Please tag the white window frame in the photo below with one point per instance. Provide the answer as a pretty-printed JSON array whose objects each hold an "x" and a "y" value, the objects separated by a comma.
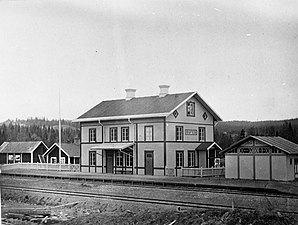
[
  {"x": 202, "y": 134},
  {"x": 92, "y": 135},
  {"x": 179, "y": 158},
  {"x": 190, "y": 109},
  {"x": 148, "y": 133},
  {"x": 129, "y": 159},
  {"x": 62, "y": 160},
  {"x": 179, "y": 133},
  {"x": 53, "y": 160},
  {"x": 119, "y": 159},
  {"x": 92, "y": 158},
  {"x": 124, "y": 134},
  {"x": 113, "y": 134},
  {"x": 191, "y": 158}
]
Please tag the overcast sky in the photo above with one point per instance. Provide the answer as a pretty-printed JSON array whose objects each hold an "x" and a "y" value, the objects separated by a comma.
[{"x": 240, "y": 56}]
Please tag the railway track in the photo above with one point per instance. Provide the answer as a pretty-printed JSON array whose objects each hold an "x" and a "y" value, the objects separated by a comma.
[
  {"x": 228, "y": 190},
  {"x": 120, "y": 198},
  {"x": 132, "y": 199}
]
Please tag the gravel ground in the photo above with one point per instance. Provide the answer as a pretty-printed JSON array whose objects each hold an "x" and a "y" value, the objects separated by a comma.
[{"x": 100, "y": 211}]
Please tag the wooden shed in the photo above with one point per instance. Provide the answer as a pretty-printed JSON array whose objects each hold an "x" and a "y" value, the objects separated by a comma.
[
  {"x": 70, "y": 154},
  {"x": 22, "y": 152},
  {"x": 262, "y": 158}
]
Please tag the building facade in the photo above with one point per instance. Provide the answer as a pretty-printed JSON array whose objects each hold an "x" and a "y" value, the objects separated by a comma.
[
  {"x": 262, "y": 158},
  {"x": 148, "y": 135}
]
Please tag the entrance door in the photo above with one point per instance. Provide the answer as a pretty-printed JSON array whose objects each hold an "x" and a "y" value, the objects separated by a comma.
[
  {"x": 149, "y": 162},
  {"x": 110, "y": 161}
]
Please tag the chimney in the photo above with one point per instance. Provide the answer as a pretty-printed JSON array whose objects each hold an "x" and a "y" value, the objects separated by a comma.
[
  {"x": 164, "y": 90},
  {"x": 76, "y": 140},
  {"x": 130, "y": 93}
]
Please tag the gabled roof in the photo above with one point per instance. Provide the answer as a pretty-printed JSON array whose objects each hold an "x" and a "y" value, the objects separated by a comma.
[
  {"x": 70, "y": 149},
  {"x": 141, "y": 107},
  {"x": 20, "y": 147},
  {"x": 277, "y": 142},
  {"x": 207, "y": 145}
]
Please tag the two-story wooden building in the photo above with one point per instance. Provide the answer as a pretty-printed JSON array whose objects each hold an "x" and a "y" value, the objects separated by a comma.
[{"x": 148, "y": 135}]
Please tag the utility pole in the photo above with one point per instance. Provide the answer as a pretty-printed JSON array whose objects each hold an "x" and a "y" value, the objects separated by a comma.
[{"x": 59, "y": 132}]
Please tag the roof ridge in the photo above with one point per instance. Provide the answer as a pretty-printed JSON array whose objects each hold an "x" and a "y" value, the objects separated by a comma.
[{"x": 148, "y": 96}]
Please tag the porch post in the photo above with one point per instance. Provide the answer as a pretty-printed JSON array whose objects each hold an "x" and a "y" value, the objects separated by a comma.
[{"x": 207, "y": 164}]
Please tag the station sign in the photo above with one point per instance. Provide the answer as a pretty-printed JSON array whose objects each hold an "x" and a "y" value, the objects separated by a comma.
[{"x": 191, "y": 132}]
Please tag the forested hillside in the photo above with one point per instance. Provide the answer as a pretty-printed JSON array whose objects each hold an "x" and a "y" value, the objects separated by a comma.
[
  {"x": 38, "y": 129},
  {"x": 229, "y": 132}
]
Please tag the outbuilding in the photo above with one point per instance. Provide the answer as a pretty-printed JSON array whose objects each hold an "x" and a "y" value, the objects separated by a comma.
[
  {"x": 262, "y": 158},
  {"x": 70, "y": 154},
  {"x": 22, "y": 152}
]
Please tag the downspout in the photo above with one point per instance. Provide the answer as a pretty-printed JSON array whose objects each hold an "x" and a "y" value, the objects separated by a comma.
[
  {"x": 133, "y": 141},
  {"x": 133, "y": 130},
  {"x": 101, "y": 130},
  {"x": 102, "y": 137}
]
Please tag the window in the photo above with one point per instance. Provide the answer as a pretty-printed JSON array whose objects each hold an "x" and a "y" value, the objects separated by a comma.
[
  {"x": 92, "y": 158},
  {"x": 119, "y": 158},
  {"x": 234, "y": 150},
  {"x": 190, "y": 109},
  {"x": 129, "y": 159},
  {"x": 179, "y": 133},
  {"x": 62, "y": 160},
  {"x": 113, "y": 134},
  {"x": 53, "y": 160},
  {"x": 263, "y": 150},
  {"x": 191, "y": 158},
  {"x": 245, "y": 150},
  {"x": 92, "y": 135},
  {"x": 179, "y": 159},
  {"x": 10, "y": 158},
  {"x": 17, "y": 158},
  {"x": 124, "y": 134},
  {"x": 148, "y": 133},
  {"x": 276, "y": 151},
  {"x": 202, "y": 134}
]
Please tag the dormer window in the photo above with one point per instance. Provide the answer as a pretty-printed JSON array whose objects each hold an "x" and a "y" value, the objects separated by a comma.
[{"x": 190, "y": 109}]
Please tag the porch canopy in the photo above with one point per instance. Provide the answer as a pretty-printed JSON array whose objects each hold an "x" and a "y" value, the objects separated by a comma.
[
  {"x": 208, "y": 146},
  {"x": 113, "y": 146}
]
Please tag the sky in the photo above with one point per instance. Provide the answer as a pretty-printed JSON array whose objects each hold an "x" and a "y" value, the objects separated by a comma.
[{"x": 241, "y": 56}]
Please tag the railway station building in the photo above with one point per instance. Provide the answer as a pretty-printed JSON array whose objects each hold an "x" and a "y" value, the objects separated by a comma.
[
  {"x": 262, "y": 158},
  {"x": 148, "y": 135}
]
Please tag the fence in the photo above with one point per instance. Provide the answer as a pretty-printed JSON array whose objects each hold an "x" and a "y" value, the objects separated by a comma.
[
  {"x": 203, "y": 172},
  {"x": 41, "y": 166}
]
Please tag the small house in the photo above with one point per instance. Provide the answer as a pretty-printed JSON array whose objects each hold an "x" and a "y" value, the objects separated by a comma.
[
  {"x": 22, "y": 152},
  {"x": 70, "y": 154},
  {"x": 262, "y": 158}
]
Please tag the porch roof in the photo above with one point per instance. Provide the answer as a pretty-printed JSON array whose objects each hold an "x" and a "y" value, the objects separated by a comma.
[
  {"x": 112, "y": 146},
  {"x": 207, "y": 146}
]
